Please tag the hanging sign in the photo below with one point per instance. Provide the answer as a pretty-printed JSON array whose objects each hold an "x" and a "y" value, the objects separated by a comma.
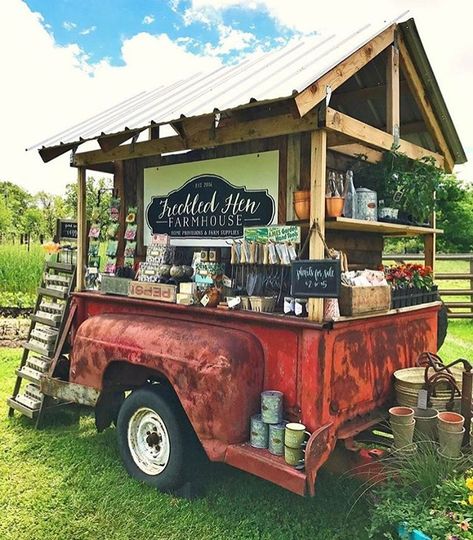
[
  {"x": 274, "y": 233},
  {"x": 315, "y": 278},
  {"x": 209, "y": 206},
  {"x": 66, "y": 229}
]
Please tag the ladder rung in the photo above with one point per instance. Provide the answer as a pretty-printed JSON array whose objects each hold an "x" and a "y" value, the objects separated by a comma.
[
  {"x": 63, "y": 267},
  {"x": 34, "y": 347},
  {"x": 19, "y": 403},
  {"x": 456, "y": 292},
  {"x": 38, "y": 364},
  {"x": 43, "y": 320},
  {"x": 29, "y": 374},
  {"x": 53, "y": 293}
]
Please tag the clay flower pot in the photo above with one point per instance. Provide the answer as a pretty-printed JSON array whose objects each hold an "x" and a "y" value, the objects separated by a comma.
[
  {"x": 426, "y": 424},
  {"x": 334, "y": 206},
  {"x": 451, "y": 421},
  {"x": 403, "y": 433},
  {"x": 451, "y": 442},
  {"x": 401, "y": 415},
  {"x": 301, "y": 203}
]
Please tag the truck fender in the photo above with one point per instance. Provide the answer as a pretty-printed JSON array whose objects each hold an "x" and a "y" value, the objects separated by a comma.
[{"x": 217, "y": 373}]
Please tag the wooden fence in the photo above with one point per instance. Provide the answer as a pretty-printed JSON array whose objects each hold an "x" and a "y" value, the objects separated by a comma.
[{"x": 465, "y": 307}]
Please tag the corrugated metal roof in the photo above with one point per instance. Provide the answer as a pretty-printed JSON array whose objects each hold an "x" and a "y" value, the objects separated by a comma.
[{"x": 271, "y": 76}]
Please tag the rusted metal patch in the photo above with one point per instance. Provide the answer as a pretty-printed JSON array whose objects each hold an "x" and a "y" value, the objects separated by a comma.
[{"x": 66, "y": 391}]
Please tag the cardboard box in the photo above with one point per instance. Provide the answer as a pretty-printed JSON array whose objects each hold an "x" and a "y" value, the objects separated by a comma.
[
  {"x": 153, "y": 291},
  {"x": 360, "y": 300},
  {"x": 185, "y": 299},
  {"x": 114, "y": 285},
  {"x": 188, "y": 288}
]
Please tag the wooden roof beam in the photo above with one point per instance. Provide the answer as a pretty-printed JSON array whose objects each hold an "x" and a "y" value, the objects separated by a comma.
[
  {"x": 245, "y": 131},
  {"x": 422, "y": 100},
  {"x": 52, "y": 152},
  {"x": 393, "y": 101},
  {"x": 356, "y": 149},
  {"x": 315, "y": 93},
  {"x": 363, "y": 133},
  {"x": 108, "y": 142}
]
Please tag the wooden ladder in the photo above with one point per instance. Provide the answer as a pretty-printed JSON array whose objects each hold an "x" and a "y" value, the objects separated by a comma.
[{"x": 51, "y": 322}]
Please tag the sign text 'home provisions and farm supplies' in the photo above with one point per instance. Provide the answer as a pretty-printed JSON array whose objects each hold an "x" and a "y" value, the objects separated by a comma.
[
  {"x": 216, "y": 205},
  {"x": 315, "y": 278}
]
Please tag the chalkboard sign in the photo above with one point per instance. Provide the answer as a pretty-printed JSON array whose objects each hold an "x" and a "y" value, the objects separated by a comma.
[
  {"x": 66, "y": 229},
  {"x": 315, "y": 279}
]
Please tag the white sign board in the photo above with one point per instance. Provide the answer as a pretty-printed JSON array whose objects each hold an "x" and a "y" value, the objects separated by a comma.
[{"x": 206, "y": 203}]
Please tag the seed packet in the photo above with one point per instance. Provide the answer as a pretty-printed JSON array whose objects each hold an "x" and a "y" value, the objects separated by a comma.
[
  {"x": 94, "y": 231},
  {"x": 93, "y": 262},
  {"x": 112, "y": 231},
  {"x": 93, "y": 248},
  {"x": 131, "y": 214},
  {"x": 130, "y": 249},
  {"x": 111, "y": 265},
  {"x": 129, "y": 261},
  {"x": 114, "y": 208},
  {"x": 130, "y": 233},
  {"x": 112, "y": 247}
]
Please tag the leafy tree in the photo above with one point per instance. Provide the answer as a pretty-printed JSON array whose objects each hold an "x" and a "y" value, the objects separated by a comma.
[
  {"x": 5, "y": 217},
  {"x": 33, "y": 222},
  {"x": 99, "y": 195},
  {"x": 52, "y": 208},
  {"x": 17, "y": 200}
]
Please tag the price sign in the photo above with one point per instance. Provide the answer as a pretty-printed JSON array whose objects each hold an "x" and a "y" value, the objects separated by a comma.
[
  {"x": 315, "y": 278},
  {"x": 66, "y": 229}
]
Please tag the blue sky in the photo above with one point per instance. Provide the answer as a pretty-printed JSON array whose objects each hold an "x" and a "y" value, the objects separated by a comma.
[{"x": 100, "y": 27}]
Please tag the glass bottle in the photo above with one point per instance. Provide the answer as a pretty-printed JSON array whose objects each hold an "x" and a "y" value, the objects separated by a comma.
[{"x": 349, "y": 207}]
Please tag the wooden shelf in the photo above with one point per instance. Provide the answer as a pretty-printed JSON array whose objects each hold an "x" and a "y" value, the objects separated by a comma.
[{"x": 378, "y": 227}]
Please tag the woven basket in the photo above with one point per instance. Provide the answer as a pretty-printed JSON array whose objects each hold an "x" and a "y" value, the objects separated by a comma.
[{"x": 263, "y": 303}]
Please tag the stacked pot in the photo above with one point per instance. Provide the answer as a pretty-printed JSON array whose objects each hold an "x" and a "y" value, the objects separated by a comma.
[
  {"x": 451, "y": 433},
  {"x": 409, "y": 423},
  {"x": 267, "y": 428},
  {"x": 402, "y": 425}
]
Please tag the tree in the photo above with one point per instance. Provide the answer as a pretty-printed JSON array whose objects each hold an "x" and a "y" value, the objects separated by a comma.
[
  {"x": 33, "y": 222},
  {"x": 5, "y": 217},
  {"x": 17, "y": 200},
  {"x": 99, "y": 196},
  {"x": 52, "y": 208}
]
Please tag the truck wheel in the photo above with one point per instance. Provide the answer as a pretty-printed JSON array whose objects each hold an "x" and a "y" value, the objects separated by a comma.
[{"x": 150, "y": 439}]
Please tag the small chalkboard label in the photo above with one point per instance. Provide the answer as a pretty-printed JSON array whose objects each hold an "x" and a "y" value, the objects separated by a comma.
[
  {"x": 66, "y": 229},
  {"x": 316, "y": 278}
]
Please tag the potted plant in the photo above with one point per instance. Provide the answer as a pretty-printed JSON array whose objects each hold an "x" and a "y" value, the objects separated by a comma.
[
  {"x": 301, "y": 202},
  {"x": 403, "y": 184},
  {"x": 334, "y": 199}
]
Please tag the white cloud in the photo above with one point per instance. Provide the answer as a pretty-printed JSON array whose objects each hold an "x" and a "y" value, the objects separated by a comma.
[
  {"x": 230, "y": 40},
  {"x": 88, "y": 31},
  {"x": 68, "y": 25},
  {"x": 47, "y": 88},
  {"x": 148, "y": 19}
]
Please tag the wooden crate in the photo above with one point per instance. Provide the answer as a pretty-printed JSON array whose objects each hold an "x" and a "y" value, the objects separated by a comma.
[
  {"x": 359, "y": 300},
  {"x": 115, "y": 285},
  {"x": 153, "y": 291}
]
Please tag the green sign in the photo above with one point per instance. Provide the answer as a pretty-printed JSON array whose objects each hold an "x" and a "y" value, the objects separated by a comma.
[{"x": 273, "y": 233}]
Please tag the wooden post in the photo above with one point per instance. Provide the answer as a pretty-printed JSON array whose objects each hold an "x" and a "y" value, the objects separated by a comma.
[
  {"x": 318, "y": 160},
  {"x": 471, "y": 284},
  {"x": 81, "y": 227},
  {"x": 119, "y": 185},
  {"x": 393, "y": 120}
]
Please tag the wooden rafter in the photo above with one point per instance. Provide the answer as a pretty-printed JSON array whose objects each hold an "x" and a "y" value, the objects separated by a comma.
[
  {"x": 356, "y": 149},
  {"x": 315, "y": 93},
  {"x": 423, "y": 102},
  {"x": 108, "y": 142},
  {"x": 52, "y": 152},
  {"x": 393, "y": 109},
  {"x": 363, "y": 133},
  {"x": 246, "y": 131}
]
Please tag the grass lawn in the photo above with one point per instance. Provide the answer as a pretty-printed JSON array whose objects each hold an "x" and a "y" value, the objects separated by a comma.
[{"x": 67, "y": 483}]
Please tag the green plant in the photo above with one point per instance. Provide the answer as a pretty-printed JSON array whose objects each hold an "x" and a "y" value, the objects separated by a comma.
[
  {"x": 404, "y": 183},
  {"x": 425, "y": 491}
]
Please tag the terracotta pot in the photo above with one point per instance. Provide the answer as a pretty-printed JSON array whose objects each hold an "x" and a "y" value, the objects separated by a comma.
[
  {"x": 451, "y": 421},
  {"x": 301, "y": 203},
  {"x": 401, "y": 415},
  {"x": 334, "y": 206}
]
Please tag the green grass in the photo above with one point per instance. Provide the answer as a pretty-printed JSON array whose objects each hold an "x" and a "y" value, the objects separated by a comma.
[
  {"x": 67, "y": 482},
  {"x": 459, "y": 342},
  {"x": 20, "y": 274}
]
